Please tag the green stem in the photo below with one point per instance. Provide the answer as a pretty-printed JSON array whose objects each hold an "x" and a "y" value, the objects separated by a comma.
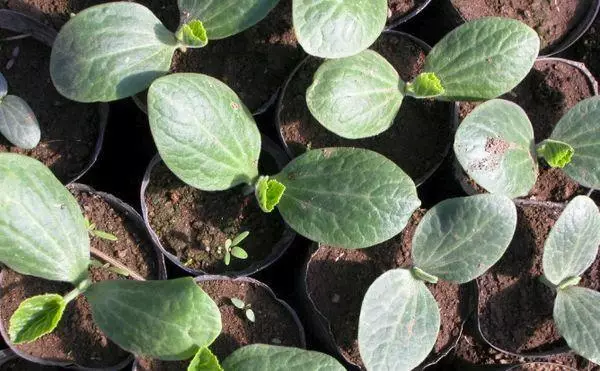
[
  {"x": 80, "y": 289},
  {"x": 568, "y": 282},
  {"x": 421, "y": 275}
]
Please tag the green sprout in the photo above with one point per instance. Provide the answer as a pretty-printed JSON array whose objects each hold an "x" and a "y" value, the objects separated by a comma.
[
  {"x": 239, "y": 304},
  {"x": 91, "y": 227},
  {"x": 232, "y": 249}
]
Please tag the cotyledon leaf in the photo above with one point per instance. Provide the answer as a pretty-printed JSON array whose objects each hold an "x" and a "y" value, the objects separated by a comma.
[
  {"x": 109, "y": 52},
  {"x": 356, "y": 97},
  {"x": 399, "y": 322},
  {"x": 338, "y": 28},
  {"x": 261, "y": 357},
  {"x": 483, "y": 58},
  {"x": 204, "y": 133},
  {"x": 579, "y": 128},
  {"x": 572, "y": 245},
  {"x": 42, "y": 230},
  {"x": 495, "y": 146},
  {"x": 346, "y": 197},
  {"x": 18, "y": 123},
  {"x": 460, "y": 238},
  {"x": 576, "y": 314},
  {"x": 3, "y": 86},
  {"x": 170, "y": 320},
  {"x": 224, "y": 18}
]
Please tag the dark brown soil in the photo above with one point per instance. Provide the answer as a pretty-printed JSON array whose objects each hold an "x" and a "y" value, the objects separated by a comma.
[
  {"x": 515, "y": 307},
  {"x": 552, "y": 20},
  {"x": 417, "y": 141},
  {"x": 77, "y": 339},
  {"x": 193, "y": 224},
  {"x": 546, "y": 95},
  {"x": 587, "y": 49},
  {"x": 330, "y": 271},
  {"x": 274, "y": 323},
  {"x": 400, "y": 8},
  {"x": 69, "y": 129}
]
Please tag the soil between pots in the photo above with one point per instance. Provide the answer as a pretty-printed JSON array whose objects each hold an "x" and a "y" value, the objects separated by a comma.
[
  {"x": 548, "y": 92},
  {"x": 587, "y": 49},
  {"x": 77, "y": 339},
  {"x": 275, "y": 323},
  {"x": 417, "y": 141},
  {"x": 398, "y": 9},
  {"x": 337, "y": 280}
]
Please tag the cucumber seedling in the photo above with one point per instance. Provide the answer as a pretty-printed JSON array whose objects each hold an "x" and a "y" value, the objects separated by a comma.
[
  {"x": 18, "y": 123},
  {"x": 246, "y": 308},
  {"x": 232, "y": 248}
]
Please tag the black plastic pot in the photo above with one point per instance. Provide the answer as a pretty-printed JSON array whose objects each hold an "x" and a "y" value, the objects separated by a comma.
[
  {"x": 136, "y": 220},
  {"x": 396, "y": 21},
  {"x": 280, "y": 247},
  {"x": 456, "y": 19},
  {"x": 24, "y": 24},
  {"x": 452, "y": 112}
]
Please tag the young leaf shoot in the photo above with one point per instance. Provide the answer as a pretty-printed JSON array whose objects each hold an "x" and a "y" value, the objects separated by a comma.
[
  {"x": 18, "y": 123},
  {"x": 556, "y": 153},
  {"x": 268, "y": 193},
  {"x": 232, "y": 248},
  {"x": 204, "y": 360},
  {"x": 246, "y": 308}
]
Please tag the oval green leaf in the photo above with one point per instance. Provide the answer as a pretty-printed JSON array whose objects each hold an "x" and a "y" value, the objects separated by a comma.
[
  {"x": 204, "y": 133},
  {"x": 460, "y": 238},
  {"x": 35, "y": 317},
  {"x": 484, "y": 58},
  {"x": 338, "y": 28},
  {"x": 42, "y": 230},
  {"x": 205, "y": 360},
  {"x": 109, "y": 52},
  {"x": 260, "y": 357},
  {"x": 572, "y": 245},
  {"x": 224, "y": 18},
  {"x": 346, "y": 197},
  {"x": 356, "y": 97},
  {"x": 139, "y": 315},
  {"x": 577, "y": 313},
  {"x": 398, "y": 324},
  {"x": 18, "y": 123},
  {"x": 494, "y": 144},
  {"x": 579, "y": 128}
]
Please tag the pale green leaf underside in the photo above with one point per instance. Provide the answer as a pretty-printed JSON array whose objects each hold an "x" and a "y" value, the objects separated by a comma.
[
  {"x": 42, "y": 230},
  {"x": 18, "y": 123},
  {"x": 356, "y": 97},
  {"x": 346, "y": 197},
  {"x": 204, "y": 360},
  {"x": 35, "y": 317},
  {"x": 338, "y": 28},
  {"x": 399, "y": 322},
  {"x": 495, "y": 146},
  {"x": 579, "y": 128},
  {"x": 261, "y": 357},
  {"x": 3, "y": 86},
  {"x": 460, "y": 238},
  {"x": 224, "y": 18},
  {"x": 483, "y": 58},
  {"x": 109, "y": 52},
  {"x": 572, "y": 245},
  {"x": 175, "y": 327},
  {"x": 576, "y": 313},
  {"x": 204, "y": 133}
]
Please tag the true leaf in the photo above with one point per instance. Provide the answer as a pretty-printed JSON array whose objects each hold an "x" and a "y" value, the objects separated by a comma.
[
  {"x": 204, "y": 133},
  {"x": 18, "y": 123},
  {"x": 192, "y": 34},
  {"x": 346, "y": 197},
  {"x": 483, "y": 58},
  {"x": 109, "y": 52},
  {"x": 398, "y": 324},
  {"x": 460, "y": 238},
  {"x": 356, "y": 97},
  {"x": 42, "y": 230},
  {"x": 268, "y": 193},
  {"x": 576, "y": 313},
  {"x": 425, "y": 85},
  {"x": 3, "y": 86},
  {"x": 572, "y": 245},
  {"x": 556, "y": 153},
  {"x": 139, "y": 315},
  {"x": 35, "y": 317},
  {"x": 495, "y": 146},
  {"x": 338, "y": 28},
  {"x": 204, "y": 360},
  {"x": 239, "y": 253},
  {"x": 579, "y": 128},
  {"x": 224, "y": 18},
  {"x": 260, "y": 357}
]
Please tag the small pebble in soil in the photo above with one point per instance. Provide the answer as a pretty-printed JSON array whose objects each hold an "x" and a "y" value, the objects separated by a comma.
[{"x": 335, "y": 298}]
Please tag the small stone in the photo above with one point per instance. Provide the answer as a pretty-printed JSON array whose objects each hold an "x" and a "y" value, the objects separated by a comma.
[
  {"x": 335, "y": 298},
  {"x": 122, "y": 253},
  {"x": 9, "y": 64},
  {"x": 16, "y": 51}
]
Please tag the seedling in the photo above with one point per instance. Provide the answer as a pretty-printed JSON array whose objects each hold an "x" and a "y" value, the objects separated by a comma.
[
  {"x": 18, "y": 123},
  {"x": 360, "y": 96},
  {"x": 91, "y": 227},
  {"x": 246, "y": 308},
  {"x": 457, "y": 240},
  {"x": 496, "y": 147},
  {"x": 326, "y": 195},
  {"x": 232, "y": 248},
  {"x": 45, "y": 235},
  {"x": 91, "y": 51}
]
